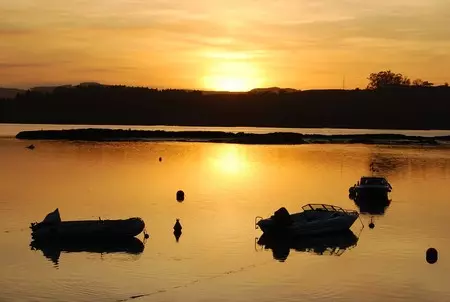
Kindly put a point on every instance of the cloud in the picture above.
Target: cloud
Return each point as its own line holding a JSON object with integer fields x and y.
{"x": 22, "y": 65}
{"x": 285, "y": 36}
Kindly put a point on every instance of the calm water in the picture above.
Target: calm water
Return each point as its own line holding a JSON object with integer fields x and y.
{"x": 226, "y": 186}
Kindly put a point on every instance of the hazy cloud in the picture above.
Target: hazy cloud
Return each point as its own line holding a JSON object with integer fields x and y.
{"x": 287, "y": 38}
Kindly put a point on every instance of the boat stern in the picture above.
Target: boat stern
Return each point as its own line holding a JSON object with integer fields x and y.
{"x": 264, "y": 224}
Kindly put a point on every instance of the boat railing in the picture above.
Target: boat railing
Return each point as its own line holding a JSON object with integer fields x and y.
{"x": 257, "y": 219}
{"x": 326, "y": 207}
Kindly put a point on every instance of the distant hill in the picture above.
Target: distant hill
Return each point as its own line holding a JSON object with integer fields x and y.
{"x": 48, "y": 89}
{"x": 86, "y": 84}
{"x": 273, "y": 90}
{"x": 221, "y": 92}
{"x": 9, "y": 93}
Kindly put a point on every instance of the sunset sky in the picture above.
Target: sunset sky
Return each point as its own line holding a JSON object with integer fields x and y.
{"x": 222, "y": 45}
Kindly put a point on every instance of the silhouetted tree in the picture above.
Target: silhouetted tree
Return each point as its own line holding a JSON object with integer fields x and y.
{"x": 421, "y": 83}
{"x": 387, "y": 78}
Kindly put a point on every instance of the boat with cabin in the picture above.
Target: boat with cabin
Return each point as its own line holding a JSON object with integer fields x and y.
{"x": 314, "y": 219}
{"x": 370, "y": 186}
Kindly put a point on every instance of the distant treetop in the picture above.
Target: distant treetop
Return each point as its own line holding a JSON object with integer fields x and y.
{"x": 387, "y": 78}
{"x": 384, "y": 79}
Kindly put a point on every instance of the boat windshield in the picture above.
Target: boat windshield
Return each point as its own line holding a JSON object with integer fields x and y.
{"x": 373, "y": 181}
{"x": 321, "y": 207}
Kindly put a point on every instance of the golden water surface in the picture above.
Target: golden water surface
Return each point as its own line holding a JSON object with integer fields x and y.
{"x": 226, "y": 186}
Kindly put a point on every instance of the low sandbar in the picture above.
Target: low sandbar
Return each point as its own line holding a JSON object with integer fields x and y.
{"x": 278, "y": 138}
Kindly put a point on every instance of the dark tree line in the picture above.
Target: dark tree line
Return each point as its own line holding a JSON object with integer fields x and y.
{"x": 394, "y": 107}
{"x": 386, "y": 79}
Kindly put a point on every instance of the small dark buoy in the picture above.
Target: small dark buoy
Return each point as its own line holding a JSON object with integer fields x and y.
{"x": 146, "y": 236}
{"x": 177, "y": 227}
{"x": 160, "y": 159}
{"x": 31, "y": 147}
{"x": 371, "y": 224}
{"x": 177, "y": 230}
{"x": 432, "y": 255}
{"x": 180, "y": 196}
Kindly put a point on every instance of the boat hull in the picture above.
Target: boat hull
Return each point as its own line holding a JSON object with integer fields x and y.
{"x": 371, "y": 193}
{"x": 89, "y": 229}
{"x": 332, "y": 225}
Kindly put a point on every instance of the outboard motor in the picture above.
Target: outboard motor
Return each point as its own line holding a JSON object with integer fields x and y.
{"x": 51, "y": 219}
{"x": 282, "y": 217}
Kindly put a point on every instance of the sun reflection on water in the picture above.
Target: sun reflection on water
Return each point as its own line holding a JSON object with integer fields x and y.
{"x": 230, "y": 160}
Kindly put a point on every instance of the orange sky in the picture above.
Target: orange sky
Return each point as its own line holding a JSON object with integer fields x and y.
{"x": 222, "y": 45}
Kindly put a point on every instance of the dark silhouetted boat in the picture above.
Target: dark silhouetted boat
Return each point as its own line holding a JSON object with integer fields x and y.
{"x": 52, "y": 249}
{"x": 327, "y": 244}
{"x": 314, "y": 219}
{"x": 53, "y": 228}
{"x": 370, "y": 187}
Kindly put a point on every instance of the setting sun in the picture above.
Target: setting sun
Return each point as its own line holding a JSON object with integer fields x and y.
{"x": 232, "y": 76}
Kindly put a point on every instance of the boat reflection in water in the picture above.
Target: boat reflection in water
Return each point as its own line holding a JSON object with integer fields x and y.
{"x": 327, "y": 244}
{"x": 52, "y": 249}
{"x": 372, "y": 206}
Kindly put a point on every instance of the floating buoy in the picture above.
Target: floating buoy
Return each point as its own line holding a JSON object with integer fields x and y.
{"x": 177, "y": 230}
{"x": 160, "y": 159}
{"x": 180, "y": 196}
{"x": 177, "y": 227}
{"x": 371, "y": 224}
{"x": 432, "y": 255}
{"x": 31, "y": 147}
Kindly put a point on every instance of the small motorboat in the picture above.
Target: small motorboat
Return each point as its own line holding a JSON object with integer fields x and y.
{"x": 370, "y": 186}
{"x": 334, "y": 244}
{"x": 315, "y": 219}
{"x": 53, "y": 228}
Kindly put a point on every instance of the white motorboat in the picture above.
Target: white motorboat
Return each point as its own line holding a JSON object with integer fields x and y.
{"x": 371, "y": 186}
{"x": 314, "y": 219}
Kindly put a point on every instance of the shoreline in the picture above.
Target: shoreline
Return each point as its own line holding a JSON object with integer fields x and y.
{"x": 275, "y": 138}
{"x": 212, "y": 126}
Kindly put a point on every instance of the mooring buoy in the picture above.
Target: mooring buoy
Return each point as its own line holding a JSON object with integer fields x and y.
{"x": 177, "y": 227}
{"x": 180, "y": 196}
{"x": 432, "y": 255}
{"x": 177, "y": 230}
